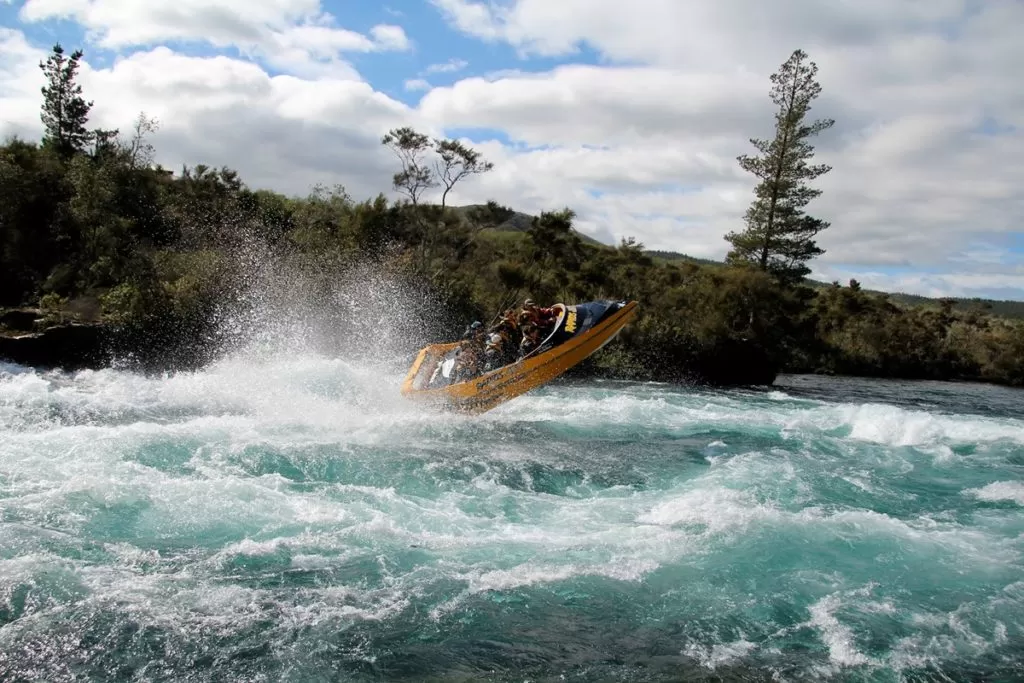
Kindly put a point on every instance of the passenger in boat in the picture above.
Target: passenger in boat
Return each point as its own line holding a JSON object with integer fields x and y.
{"x": 542, "y": 311}
{"x": 541, "y": 316}
{"x": 531, "y": 327}
{"x": 469, "y": 361}
{"x": 509, "y": 322}
{"x": 503, "y": 342}
{"x": 526, "y": 318}
{"x": 471, "y": 352}
{"x": 531, "y": 339}
{"x": 494, "y": 350}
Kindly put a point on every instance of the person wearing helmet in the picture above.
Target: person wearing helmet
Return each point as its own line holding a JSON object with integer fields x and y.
{"x": 540, "y": 316}
{"x": 470, "y": 354}
{"x": 529, "y": 309}
{"x": 494, "y": 350}
{"x": 503, "y": 349}
{"x": 509, "y": 322}
{"x": 469, "y": 361}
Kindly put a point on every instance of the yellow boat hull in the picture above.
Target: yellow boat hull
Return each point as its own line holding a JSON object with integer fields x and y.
{"x": 490, "y": 389}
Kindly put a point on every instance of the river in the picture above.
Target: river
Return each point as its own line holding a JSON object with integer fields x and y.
{"x": 290, "y": 517}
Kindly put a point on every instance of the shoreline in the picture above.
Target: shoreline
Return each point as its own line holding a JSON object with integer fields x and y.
{"x": 95, "y": 345}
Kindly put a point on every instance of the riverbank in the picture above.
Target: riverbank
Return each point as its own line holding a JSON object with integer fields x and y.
{"x": 35, "y": 338}
{"x": 31, "y": 338}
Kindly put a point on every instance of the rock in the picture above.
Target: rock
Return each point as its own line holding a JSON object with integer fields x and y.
{"x": 71, "y": 346}
{"x": 723, "y": 363}
{"x": 735, "y": 362}
{"x": 20, "y": 319}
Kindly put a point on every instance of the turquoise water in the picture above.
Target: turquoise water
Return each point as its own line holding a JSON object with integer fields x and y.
{"x": 290, "y": 517}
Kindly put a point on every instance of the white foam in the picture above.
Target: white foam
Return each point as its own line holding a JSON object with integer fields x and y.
{"x": 72, "y": 453}
{"x": 893, "y": 426}
{"x": 665, "y": 409}
{"x": 713, "y": 511}
{"x": 534, "y": 574}
{"x": 838, "y": 637}
{"x": 1000, "y": 490}
{"x": 531, "y": 574}
{"x": 720, "y": 653}
{"x": 942, "y": 635}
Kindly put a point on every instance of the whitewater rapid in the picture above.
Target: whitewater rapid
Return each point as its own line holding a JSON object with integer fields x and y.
{"x": 291, "y": 517}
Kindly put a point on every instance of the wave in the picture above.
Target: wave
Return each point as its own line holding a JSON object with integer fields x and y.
{"x": 274, "y": 502}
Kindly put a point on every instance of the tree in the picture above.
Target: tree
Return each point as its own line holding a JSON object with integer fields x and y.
{"x": 410, "y": 148}
{"x": 65, "y": 113}
{"x": 490, "y": 215}
{"x": 139, "y": 150}
{"x": 457, "y": 161}
{"x": 779, "y": 235}
{"x": 555, "y": 242}
{"x": 104, "y": 142}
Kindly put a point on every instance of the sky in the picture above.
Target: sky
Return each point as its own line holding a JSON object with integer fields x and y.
{"x": 630, "y": 113}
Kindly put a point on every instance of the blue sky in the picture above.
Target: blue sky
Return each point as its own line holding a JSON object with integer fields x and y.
{"x": 632, "y": 114}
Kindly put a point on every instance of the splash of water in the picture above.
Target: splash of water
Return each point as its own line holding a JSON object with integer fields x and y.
{"x": 370, "y": 310}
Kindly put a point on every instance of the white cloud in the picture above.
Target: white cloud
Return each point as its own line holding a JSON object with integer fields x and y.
{"x": 692, "y": 32}
{"x": 421, "y": 84}
{"x": 390, "y": 37}
{"x": 581, "y": 104}
{"x": 473, "y": 18}
{"x": 294, "y": 36}
{"x": 414, "y": 84}
{"x": 451, "y": 66}
{"x": 20, "y": 81}
{"x": 322, "y": 41}
{"x": 122, "y": 23}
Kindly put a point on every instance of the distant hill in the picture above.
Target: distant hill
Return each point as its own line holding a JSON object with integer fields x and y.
{"x": 520, "y": 222}
{"x": 676, "y": 256}
{"x": 1003, "y": 308}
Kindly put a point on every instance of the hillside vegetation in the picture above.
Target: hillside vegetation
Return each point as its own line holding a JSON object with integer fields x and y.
{"x": 92, "y": 231}
{"x": 999, "y": 307}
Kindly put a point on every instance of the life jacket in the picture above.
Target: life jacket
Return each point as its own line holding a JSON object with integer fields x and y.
{"x": 540, "y": 316}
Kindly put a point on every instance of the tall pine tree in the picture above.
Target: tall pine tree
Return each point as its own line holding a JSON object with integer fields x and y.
{"x": 65, "y": 112}
{"x": 779, "y": 237}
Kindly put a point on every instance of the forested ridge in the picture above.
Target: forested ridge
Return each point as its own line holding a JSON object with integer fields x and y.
{"x": 1006, "y": 308}
{"x": 94, "y": 236}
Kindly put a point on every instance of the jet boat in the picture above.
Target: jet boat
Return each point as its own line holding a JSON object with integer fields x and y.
{"x": 580, "y": 330}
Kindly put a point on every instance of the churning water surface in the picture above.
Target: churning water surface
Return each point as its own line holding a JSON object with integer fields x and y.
{"x": 291, "y": 517}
